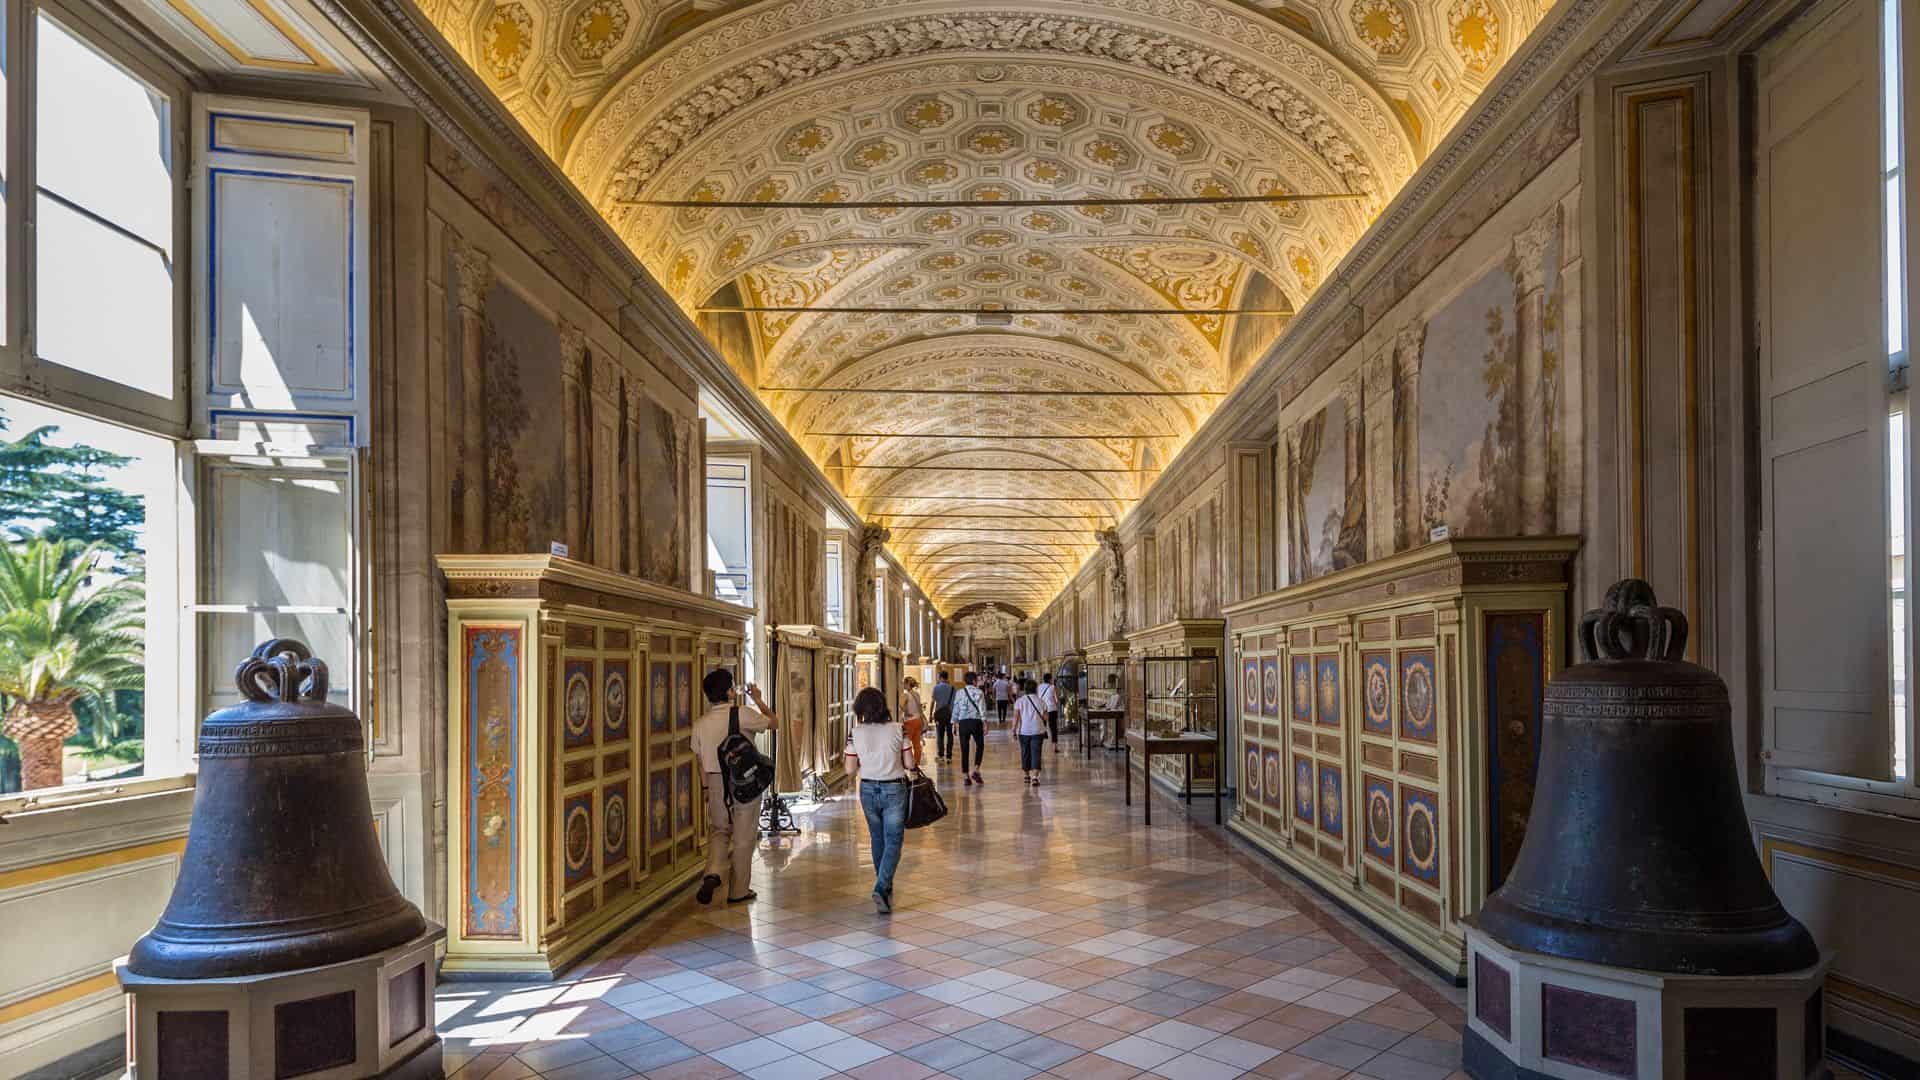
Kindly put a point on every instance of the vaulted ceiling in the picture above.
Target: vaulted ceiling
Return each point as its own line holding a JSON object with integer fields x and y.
{"x": 950, "y": 424}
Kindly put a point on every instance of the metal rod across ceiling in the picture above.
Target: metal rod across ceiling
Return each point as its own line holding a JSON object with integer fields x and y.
{"x": 994, "y": 436}
{"x": 1022, "y": 391}
{"x": 804, "y": 309}
{"x": 992, "y": 468}
{"x": 984, "y": 204}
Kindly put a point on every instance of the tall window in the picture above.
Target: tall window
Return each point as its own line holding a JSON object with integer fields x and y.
{"x": 1833, "y": 293}
{"x": 1893, "y": 161}
{"x": 730, "y": 530}
{"x": 157, "y": 525}
{"x": 836, "y": 588}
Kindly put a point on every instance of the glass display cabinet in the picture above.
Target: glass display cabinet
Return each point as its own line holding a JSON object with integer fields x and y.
{"x": 1174, "y": 673}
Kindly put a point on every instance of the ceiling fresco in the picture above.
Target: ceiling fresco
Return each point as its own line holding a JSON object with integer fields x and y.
{"x": 919, "y": 103}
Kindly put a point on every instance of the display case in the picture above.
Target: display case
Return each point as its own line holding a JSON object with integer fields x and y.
{"x": 879, "y": 666}
{"x": 815, "y": 669}
{"x": 1388, "y": 727}
{"x": 1104, "y": 692}
{"x": 1173, "y": 680}
{"x": 551, "y": 748}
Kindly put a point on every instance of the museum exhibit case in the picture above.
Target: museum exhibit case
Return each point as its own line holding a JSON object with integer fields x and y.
{"x": 1163, "y": 696}
{"x": 550, "y": 745}
{"x": 881, "y": 666}
{"x": 1389, "y": 726}
{"x": 816, "y": 680}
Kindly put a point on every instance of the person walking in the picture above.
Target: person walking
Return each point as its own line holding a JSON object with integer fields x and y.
{"x": 1002, "y": 695}
{"x": 1049, "y": 695}
{"x": 943, "y": 716}
{"x": 736, "y": 826}
{"x": 970, "y": 717}
{"x": 1030, "y": 725}
{"x": 913, "y": 717}
{"x": 879, "y": 754}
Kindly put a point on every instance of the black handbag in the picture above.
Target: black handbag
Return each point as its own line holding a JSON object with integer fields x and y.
{"x": 924, "y": 804}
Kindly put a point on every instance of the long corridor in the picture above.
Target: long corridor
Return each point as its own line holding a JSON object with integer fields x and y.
{"x": 1036, "y": 933}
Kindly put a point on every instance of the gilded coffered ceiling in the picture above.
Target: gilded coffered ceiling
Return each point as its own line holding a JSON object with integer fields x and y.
{"x": 872, "y": 101}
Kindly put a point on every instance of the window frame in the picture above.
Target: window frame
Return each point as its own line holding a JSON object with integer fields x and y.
{"x": 1897, "y": 796}
{"x": 22, "y": 370}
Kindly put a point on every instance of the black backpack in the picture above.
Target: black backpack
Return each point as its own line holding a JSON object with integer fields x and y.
{"x": 745, "y": 772}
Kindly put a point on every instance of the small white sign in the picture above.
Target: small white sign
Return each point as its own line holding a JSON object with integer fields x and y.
{"x": 1439, "y": 532}
{"x": 557, "y": 549}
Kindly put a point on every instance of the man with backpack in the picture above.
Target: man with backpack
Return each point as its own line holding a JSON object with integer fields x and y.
{"x": 736, "y": 824}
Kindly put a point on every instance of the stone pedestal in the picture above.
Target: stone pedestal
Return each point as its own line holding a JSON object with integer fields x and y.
{"x": 1533, "y": 1016}
{"x": 368, "y": 1017}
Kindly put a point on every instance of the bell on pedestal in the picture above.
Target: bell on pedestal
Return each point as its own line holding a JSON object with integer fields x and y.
{"x": 1638, "y": 852}
{"x": 1638, "y": 935}
{"x": 282, "y": 869}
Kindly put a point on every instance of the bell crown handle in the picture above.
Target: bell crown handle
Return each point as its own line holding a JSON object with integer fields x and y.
{"x": 1631, "y": 625}
{"x": 282, "y": 670}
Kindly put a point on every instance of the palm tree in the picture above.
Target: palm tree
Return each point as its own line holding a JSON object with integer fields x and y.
{"x": 63, "y": 639}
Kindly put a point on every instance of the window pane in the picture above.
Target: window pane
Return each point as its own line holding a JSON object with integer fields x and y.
{"x": 103, "y": 137}
{"x": 226, "y": 639}
{"x": 103, "y": 217}
{"x": 1897, "y": 581}
{"x": 74, "y": 659}
{"x": 278, "y": 536}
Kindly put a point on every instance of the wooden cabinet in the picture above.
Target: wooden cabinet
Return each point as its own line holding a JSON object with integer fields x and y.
{"x": 1388, "y": 725}
{"x": 816, "y": 665}
{"x": 573, "y": 800}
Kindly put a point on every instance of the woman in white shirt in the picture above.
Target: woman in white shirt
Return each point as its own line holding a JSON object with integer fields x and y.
{"x": 879, "y": 754}
{"x": 1030, "y": 724}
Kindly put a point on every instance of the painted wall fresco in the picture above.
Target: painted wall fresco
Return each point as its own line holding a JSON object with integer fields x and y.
{"x": 525, "y": 471}
{"x": 663, "y": 447}
{"x": 1330, "y": 516}
{"x": 1476, "y": 402}
{"x": 1450, "y": 409}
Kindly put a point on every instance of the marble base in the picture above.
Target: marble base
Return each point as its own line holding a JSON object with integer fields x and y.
{"x": 369, "y": 1017}
{"x": 1531, "y": 1017}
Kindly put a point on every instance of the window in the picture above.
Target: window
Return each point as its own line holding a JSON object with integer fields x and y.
{"x": 86, "y": 509}
{"x": 730, "y": 530}
{"x": 180, "y": 513}
{"x": 836, "y": 588}
{"x": 1833, "y": 290}
{"x": 103, "y": 210}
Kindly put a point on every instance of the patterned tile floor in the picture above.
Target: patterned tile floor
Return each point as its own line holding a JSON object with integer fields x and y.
{"x": 1036, "y": 933}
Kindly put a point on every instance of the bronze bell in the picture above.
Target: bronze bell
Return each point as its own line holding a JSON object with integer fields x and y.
{"x": 282, "y": 869}
{"x": 1638, "y": 853}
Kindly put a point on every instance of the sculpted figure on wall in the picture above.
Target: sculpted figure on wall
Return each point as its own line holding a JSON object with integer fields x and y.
{"x": 872, "y": 538}
{"x": 1116, "y": 578}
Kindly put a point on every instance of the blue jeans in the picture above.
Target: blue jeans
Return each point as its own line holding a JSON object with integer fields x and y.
{"x": 886, "y": 808}
{"x": 1030, "y": 752}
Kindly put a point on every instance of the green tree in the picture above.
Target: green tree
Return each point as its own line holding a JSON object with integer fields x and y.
{"x": 66, "y": 642}
{"x": 64, "y": 493}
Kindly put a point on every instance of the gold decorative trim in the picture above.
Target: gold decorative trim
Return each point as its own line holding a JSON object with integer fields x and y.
{"x": 59, "y": 995}
{"x": 316, "y": 63}
{"x": 80, "y": 864}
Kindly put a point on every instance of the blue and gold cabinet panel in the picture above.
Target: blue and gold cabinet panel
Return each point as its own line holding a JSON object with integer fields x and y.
{"x": 1261, "y": 735}
{"x": 573, "y": 801}
{"x": 1408, "y": 721}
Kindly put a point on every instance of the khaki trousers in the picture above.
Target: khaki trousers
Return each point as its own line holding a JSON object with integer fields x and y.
{"x": 736, "y": 832}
